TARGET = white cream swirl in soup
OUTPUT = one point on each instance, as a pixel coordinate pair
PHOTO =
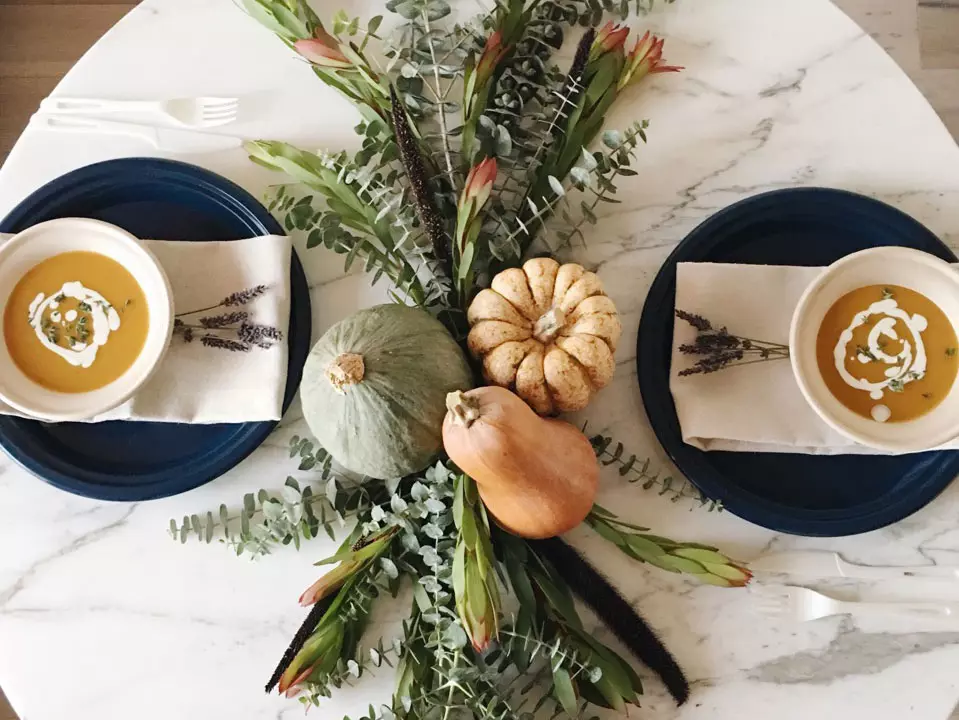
(887, 353)
(75, 322)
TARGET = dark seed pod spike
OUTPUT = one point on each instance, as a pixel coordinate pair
(299, 640)
(618, 615)
(580, 59)
(419, 182)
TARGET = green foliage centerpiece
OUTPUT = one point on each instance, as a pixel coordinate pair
(477, 150)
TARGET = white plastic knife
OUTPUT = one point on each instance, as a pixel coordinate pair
(172, 140)
(824, 564)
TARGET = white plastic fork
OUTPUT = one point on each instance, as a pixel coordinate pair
(803, 605)
(198, 112)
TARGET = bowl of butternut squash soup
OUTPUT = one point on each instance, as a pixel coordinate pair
(87, 316)
(874, 348)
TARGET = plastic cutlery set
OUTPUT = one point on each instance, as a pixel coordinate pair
(802, 604)
(175, 126)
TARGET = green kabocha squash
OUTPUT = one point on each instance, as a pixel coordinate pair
(374, 389)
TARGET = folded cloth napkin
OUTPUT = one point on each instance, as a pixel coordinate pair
(196, 383)
(758, 407)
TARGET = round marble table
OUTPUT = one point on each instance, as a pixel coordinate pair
(103, 616)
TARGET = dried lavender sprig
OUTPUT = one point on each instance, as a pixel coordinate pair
(221, 321)
(242, 297)
(697, 321)
(263, 336)
(719, 349)
(224, 344)
(706, 349)
(696, 370)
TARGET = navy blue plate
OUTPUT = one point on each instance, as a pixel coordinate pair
(802, 494)
(127, 461)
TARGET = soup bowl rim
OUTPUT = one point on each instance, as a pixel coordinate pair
(32, 399)
(908, 267)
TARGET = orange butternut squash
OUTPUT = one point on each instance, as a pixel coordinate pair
(537, 476)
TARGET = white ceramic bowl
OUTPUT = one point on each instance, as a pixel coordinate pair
(22, 252)
(913, 269)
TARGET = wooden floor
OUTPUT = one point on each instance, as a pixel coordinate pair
(39, 42)
(41, 39)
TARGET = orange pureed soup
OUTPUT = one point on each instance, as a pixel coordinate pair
(887, 353)
(76, 322)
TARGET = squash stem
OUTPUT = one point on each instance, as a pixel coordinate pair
(549, 325)
(466, 410)
(348, 369)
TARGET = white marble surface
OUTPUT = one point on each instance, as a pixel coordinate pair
(103, 616)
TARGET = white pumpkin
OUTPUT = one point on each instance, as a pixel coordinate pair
(547, 331)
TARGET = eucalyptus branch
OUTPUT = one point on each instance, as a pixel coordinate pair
(444, 130)
(636, 470)
(290, 516)
(602, 167)
(348, 206)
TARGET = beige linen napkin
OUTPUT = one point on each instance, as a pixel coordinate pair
(759, 407)
(202, 385)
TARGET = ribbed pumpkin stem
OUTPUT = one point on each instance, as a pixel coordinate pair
(464, 408)
(549, 325)
(348, 369)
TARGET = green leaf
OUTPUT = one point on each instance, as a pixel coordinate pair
(504, 143)
(374, 24)
(701, 556)
(556, 186)
(437, 9)
(612, 139)
(727, 572)
(564, 692)
(609, 533)
(643, 547)
(459, 571)
(468, 531)
(588, 213)
(389, 568)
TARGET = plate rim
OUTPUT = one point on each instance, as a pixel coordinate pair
(694, 464)
(248, 436)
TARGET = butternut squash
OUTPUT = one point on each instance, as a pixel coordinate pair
(537, 476)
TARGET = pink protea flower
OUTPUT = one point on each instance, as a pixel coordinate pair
(646, 58)
(324, 50)
(492, 53)
(479, 183)
(609, 38)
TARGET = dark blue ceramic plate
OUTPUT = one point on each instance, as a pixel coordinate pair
(136, 460)
(801, 494)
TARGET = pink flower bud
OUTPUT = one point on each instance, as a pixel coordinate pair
(479, 182)
(646, 58)
(610, 37)
(492, 54)
(323, 50)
